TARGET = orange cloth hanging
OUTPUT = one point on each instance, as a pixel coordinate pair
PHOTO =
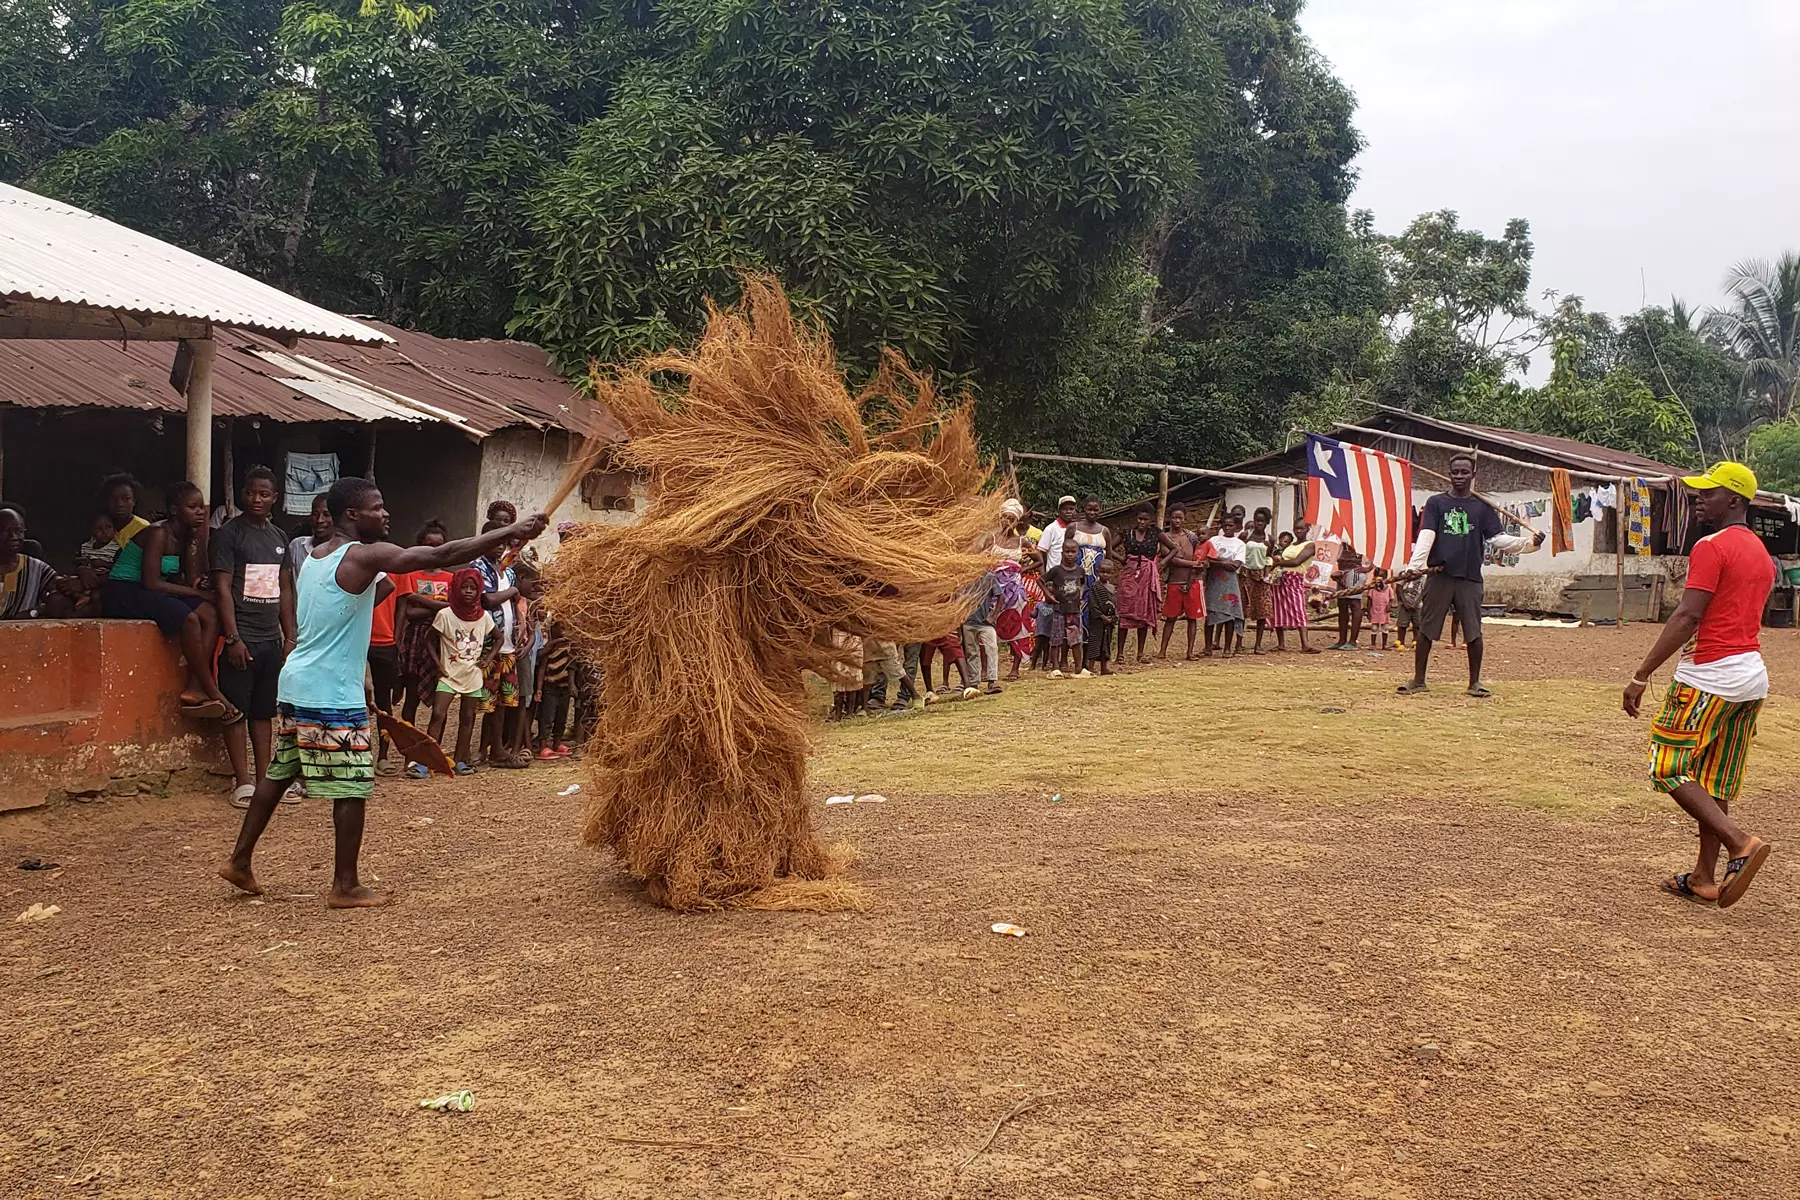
(1562, 512)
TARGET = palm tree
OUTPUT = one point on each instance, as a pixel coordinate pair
(1762, 327)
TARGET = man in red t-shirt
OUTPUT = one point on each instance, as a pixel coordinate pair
(1701, 738)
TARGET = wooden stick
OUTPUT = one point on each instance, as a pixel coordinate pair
(1199, 472)
(1493, 504)
(1024, 1105)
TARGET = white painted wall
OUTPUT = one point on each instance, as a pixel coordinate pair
(1277, 497)
(525, 466)
(1540, 577)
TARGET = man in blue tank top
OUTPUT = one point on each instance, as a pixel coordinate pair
(322, 721)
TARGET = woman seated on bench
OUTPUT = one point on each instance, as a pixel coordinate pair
(160, 575)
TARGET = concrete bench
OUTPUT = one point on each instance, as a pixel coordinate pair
(89, 706)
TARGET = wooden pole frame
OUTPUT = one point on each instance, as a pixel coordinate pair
(1159, 468)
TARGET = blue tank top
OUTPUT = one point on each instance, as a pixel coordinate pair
(326, 668)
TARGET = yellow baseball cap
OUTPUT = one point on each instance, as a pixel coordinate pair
(1735, 477)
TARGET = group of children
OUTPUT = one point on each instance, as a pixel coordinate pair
(477, 640)
(1392, 608)
(1081, 589)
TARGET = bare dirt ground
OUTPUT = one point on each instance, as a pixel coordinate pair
(1367, 993)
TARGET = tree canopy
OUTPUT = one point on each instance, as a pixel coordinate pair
(1123, 223)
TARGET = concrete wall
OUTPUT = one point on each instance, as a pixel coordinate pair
(428, 472)
(526, 465)
(1276, 497)
(90, 703)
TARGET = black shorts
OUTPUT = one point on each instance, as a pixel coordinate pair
(252, 690)
(1442, 594)
(384, 673)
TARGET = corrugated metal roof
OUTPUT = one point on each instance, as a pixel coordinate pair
(56, 252)
(478, 386)
(466, 376)
(1567, 449)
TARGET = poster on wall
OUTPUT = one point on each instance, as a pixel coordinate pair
(305, 477)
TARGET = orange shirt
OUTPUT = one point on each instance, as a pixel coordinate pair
(381, 629)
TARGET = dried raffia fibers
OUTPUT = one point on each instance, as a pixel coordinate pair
(781, 505)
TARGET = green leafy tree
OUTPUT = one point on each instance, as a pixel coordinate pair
(1457, 306)
(1774, 454)
(957, 178)
(1762, 327)
(1664, 347)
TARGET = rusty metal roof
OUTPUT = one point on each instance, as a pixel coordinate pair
(1582, 455)
(55, 252)
(477, 386)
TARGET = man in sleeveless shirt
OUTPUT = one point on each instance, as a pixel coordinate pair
(1700, 739)
(322, 722)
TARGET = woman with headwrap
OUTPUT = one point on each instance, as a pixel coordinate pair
(465, 644)
(1016, 582)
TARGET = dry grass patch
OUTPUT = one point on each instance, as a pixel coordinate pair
(1265, 730)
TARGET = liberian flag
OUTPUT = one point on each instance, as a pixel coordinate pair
(1362, 496)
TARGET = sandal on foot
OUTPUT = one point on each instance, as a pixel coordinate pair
(1681, 885)
(240, 798)
(1411, 688)
(1738, 874)
(1479, 692)
(206, 710)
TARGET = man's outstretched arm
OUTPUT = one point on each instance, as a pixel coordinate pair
(364, 562)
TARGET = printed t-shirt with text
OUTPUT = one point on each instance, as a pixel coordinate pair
(255, 557)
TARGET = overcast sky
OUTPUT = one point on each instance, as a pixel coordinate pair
(1652, 135)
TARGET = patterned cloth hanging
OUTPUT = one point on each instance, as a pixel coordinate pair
(1562, 513)
(1678, 500)
(1637, 516)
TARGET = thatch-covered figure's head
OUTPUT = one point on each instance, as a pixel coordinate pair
(782, 505)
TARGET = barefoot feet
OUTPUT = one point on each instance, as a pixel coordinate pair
(356, 897)
(240, 878)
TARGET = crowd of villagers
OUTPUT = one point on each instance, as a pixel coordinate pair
(1074, 597)
(473, 640)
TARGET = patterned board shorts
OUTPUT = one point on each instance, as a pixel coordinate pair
(501, 683)
(1699, 738)
(328, 748)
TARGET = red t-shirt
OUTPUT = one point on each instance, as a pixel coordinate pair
(435, 584)
(1733, 565)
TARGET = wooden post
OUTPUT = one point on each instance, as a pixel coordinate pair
(231, 509)
(1619, 524)
(199, 414)
(370, 473)
(1162, 498)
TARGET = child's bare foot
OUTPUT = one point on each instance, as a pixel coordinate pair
(240, 878)
(356, 897)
